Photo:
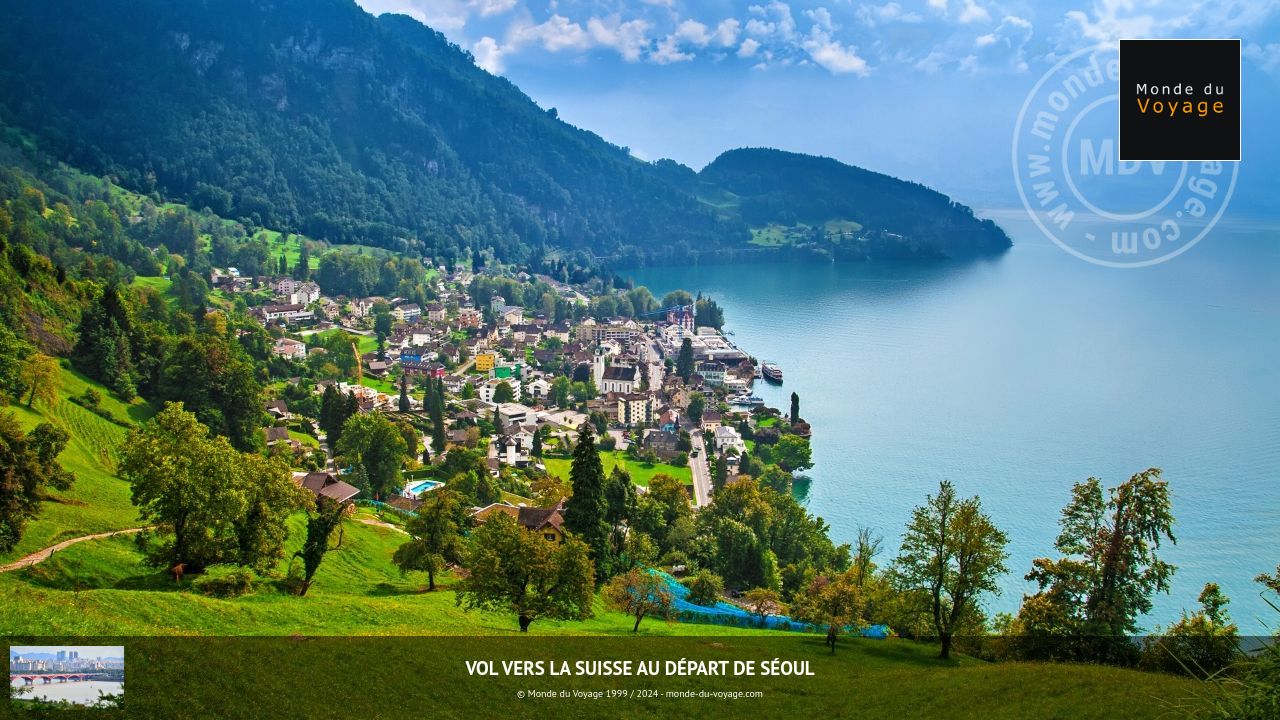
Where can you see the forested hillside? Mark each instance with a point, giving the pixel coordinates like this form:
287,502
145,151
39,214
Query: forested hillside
312,116
896,217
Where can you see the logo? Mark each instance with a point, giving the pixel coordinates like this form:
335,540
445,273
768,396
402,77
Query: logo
1073,184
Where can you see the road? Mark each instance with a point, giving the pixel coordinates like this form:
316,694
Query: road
701,472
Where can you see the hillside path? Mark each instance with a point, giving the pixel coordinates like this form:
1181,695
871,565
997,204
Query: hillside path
40,556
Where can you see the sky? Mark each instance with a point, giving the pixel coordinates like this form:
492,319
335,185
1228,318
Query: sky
927,90
86,651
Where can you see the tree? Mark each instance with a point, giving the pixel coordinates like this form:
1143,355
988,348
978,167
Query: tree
503,393
763,602
705,588
302,270
1090,598
375,444
335,410
1202,644
404,393
586,510
561,390
209,502
28,466
640,592
834,601
795,408
516,570
719,471
697,406
684,360
792,453
40,374
620,506
436,535
952,552
320,527
536,449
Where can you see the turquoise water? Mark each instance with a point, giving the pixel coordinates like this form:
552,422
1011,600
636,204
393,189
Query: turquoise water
1016,377
417,488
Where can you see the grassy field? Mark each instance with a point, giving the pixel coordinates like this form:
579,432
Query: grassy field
100,588
775,235
641,472
391,678
98,501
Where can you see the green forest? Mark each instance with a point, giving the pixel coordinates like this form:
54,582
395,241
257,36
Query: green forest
314,117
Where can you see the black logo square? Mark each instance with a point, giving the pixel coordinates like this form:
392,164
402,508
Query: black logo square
1179,100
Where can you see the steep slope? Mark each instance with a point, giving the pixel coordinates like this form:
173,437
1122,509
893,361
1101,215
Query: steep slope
312,115
773,187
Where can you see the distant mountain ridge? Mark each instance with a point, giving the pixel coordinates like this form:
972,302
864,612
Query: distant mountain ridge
316,117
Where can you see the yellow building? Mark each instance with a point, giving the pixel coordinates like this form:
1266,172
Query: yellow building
485,361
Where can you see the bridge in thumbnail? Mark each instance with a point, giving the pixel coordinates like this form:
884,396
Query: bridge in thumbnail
50,678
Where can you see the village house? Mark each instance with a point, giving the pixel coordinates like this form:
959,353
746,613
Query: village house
485,391
547,522
289,348
468,317
326,484
712,372
634,408
436,312
727,438
407,312
663,443
288,313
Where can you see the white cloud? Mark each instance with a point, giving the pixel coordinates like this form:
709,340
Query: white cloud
874,15
669,52
556,34
630,39
832,55
692,32
1266,56
488,54
973,12
488,8
726,33
1004,46
748,48
822,17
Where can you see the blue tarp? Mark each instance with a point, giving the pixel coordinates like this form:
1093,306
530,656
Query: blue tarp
723,613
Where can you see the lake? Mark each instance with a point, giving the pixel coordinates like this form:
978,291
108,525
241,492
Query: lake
1016,377
83,693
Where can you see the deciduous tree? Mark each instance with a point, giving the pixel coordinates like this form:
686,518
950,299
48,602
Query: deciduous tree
515,570
640,592
953,552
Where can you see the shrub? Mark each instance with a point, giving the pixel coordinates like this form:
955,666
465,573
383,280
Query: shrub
704,588
233,584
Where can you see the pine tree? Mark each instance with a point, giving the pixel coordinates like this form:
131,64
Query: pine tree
684,361
404,393
302,271
585,511
795,408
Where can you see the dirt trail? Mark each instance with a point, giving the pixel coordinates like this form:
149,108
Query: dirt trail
40,556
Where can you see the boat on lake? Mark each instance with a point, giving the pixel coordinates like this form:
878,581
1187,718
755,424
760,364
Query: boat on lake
771,372
749,400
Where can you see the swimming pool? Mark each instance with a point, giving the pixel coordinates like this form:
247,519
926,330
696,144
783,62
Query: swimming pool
418,487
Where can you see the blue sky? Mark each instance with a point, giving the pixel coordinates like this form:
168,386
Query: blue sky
923,89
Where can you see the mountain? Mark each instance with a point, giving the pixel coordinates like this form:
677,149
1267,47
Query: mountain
772,187
313,116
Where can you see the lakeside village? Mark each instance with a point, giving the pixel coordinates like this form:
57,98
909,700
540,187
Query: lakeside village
665,396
